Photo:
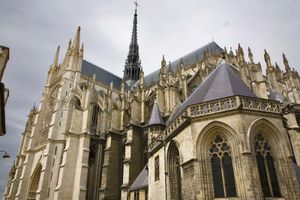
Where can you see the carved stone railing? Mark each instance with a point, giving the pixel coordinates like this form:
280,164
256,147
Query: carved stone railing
214,107
260,104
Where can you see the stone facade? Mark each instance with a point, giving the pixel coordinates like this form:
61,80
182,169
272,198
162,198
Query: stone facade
90,139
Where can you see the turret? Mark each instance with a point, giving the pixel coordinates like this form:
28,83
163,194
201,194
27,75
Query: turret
156,123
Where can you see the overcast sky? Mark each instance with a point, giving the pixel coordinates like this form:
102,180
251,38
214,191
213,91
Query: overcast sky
33,29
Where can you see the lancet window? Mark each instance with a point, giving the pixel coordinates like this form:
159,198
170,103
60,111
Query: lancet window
34,183
222,169
94,118
174,172
266,167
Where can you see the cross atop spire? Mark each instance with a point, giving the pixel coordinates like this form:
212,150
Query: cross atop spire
136,4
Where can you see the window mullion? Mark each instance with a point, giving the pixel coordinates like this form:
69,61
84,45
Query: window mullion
223,177
268,176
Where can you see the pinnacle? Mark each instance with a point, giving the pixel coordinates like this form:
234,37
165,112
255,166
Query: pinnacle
76,41
55,59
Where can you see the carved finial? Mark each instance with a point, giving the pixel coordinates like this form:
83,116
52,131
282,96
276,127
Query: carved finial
267,59
163,62
286,63
181,63
266,55
250,55
70,44
34,108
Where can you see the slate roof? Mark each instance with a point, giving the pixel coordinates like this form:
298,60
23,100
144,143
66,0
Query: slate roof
141,181
102,75
188,59
156,118
222,82
274,95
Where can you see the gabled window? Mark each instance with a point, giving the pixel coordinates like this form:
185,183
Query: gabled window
156,168
266,168
222,169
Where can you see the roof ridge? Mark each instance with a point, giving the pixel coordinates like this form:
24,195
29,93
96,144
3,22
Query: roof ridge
203,47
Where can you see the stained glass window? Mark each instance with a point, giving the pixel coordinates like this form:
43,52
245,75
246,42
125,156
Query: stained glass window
222,169
266,168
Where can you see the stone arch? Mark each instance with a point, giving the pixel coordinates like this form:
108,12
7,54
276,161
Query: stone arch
208,133
203,145
34,182
176,143
272,134
174,172
95,112
280,152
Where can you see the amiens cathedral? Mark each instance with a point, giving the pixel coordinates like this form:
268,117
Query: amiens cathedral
209,125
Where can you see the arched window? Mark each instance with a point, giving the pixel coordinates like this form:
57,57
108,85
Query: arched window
94,119
34,183
76,102
174,172
266,168
222,170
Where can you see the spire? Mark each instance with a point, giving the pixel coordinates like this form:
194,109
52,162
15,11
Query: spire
156,118
133,63
286,63
76,41
55,59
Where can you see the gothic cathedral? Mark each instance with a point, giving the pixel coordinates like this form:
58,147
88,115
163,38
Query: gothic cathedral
209,125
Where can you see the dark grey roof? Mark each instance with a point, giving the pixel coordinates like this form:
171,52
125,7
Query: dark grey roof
102,75
274,95
156,118
188,59
222,82
141,181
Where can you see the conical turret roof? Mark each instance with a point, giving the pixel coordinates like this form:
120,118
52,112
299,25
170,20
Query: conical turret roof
222,82
156,118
